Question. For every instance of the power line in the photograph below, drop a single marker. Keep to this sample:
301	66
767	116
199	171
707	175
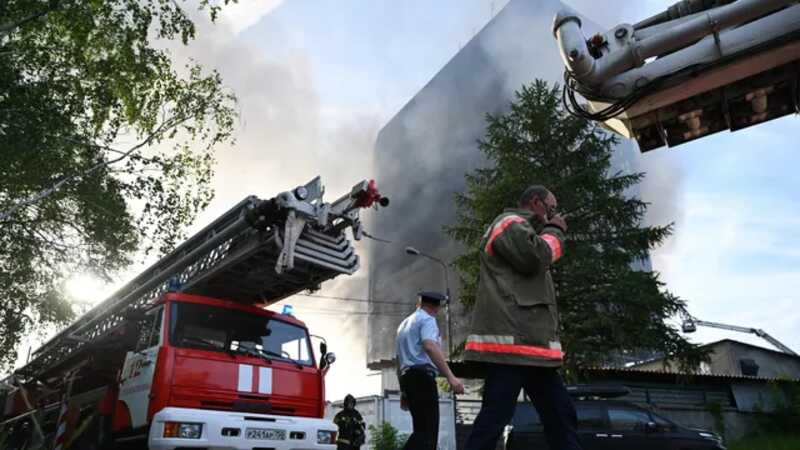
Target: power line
355	299
374	238
394	312
302	311
339	311
323	313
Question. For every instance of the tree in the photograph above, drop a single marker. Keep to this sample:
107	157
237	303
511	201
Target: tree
607	307
386	437
105	147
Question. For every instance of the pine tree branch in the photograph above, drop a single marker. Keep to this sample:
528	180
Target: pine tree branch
608	306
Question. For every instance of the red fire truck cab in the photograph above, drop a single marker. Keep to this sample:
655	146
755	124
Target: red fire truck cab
186	355
209	373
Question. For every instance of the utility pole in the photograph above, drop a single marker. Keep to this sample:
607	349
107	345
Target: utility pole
448	324
415	252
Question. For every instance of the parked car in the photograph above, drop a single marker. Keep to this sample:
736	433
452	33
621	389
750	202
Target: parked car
605	424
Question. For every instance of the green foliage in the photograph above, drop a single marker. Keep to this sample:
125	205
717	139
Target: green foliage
104	146
777	441
783	412
386	437
443	385
606	306
715	409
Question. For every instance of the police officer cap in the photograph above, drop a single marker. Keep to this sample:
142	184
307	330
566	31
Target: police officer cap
432	298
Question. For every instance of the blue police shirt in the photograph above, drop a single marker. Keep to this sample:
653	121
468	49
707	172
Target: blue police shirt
416	328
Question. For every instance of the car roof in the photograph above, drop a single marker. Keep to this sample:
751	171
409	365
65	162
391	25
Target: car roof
595	402
608	402
605	401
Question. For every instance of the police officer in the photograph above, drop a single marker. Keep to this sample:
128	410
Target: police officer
351	426
420	359
514	331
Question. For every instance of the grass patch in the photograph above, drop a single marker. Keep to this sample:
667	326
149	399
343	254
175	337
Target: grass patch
767	442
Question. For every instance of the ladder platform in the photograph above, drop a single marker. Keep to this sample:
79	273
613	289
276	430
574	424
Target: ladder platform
259	252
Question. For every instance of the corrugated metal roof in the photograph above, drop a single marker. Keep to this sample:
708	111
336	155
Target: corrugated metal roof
666	373
746	344
734	342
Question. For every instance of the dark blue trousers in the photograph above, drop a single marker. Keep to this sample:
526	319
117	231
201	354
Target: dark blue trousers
422	394
545	388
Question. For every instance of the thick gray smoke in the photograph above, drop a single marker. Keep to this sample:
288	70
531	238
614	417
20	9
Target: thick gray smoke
422	154
662	189
420	159
284	140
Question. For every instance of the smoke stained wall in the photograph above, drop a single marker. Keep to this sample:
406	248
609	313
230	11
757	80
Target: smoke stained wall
424	151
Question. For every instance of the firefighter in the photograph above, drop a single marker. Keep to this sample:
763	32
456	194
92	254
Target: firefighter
513	337
351	426
419	359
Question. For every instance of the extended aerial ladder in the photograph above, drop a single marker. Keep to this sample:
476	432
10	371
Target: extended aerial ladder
259	252
698	68
690	325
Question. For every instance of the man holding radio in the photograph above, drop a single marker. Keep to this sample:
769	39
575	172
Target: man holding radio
514	332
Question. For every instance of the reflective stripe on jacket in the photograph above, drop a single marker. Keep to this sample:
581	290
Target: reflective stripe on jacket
515	318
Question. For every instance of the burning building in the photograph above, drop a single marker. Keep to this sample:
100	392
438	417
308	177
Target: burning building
424	151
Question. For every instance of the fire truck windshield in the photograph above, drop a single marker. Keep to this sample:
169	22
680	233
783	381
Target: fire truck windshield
218	329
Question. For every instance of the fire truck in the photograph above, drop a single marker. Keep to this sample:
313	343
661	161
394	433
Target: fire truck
186	355
698	68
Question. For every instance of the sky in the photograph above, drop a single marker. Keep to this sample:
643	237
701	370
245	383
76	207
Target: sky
316	79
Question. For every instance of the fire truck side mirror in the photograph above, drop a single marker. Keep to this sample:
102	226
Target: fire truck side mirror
323	348
330	358
327	360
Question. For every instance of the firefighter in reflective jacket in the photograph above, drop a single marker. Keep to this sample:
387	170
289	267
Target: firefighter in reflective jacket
513	338
351	426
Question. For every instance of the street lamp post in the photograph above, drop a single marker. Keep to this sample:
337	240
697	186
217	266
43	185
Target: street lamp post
415	252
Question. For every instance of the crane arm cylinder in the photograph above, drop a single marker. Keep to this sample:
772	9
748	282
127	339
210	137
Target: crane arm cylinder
626	52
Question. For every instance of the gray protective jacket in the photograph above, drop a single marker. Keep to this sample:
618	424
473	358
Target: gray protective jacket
515	318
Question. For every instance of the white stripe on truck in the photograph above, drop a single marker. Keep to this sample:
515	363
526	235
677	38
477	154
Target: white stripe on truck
264	380
245	378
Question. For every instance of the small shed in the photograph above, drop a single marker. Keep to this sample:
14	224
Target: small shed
731	357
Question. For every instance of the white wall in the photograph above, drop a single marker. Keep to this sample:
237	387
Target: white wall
377	409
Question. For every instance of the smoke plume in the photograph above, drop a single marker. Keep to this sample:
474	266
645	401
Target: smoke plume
284	139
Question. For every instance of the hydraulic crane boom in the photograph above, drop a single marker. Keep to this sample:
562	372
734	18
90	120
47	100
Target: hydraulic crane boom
690	325
698	68
258	252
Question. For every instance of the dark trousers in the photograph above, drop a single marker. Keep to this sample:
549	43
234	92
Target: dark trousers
545	388
422	396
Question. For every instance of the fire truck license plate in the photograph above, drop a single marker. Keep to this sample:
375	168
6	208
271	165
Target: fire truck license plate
265	434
